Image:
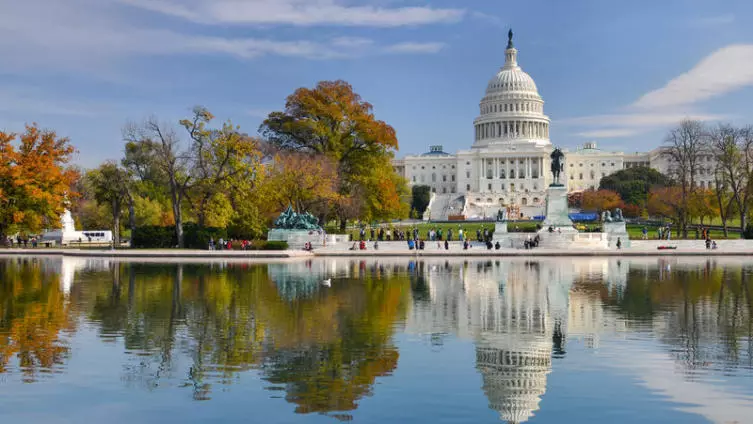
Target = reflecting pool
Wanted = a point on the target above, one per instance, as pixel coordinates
(648, 340)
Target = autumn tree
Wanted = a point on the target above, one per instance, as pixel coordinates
(111, 185)
(218, 157)
(732, 149)
(159, 148)
(667, 202)
(703, 205)
(308, 183)
(332, 120)
(684, 148)
(600, 200)
(36, 182)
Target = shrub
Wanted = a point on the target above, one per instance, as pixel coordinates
(748, 233)
(272, 245)
(158, 237)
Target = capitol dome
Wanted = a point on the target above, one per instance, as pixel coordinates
(512, 78)
(511, 109)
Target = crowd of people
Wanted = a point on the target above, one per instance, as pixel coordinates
(222, 244)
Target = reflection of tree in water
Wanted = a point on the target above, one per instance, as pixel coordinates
(332, 371)
(702, 312)
(33, 313)
(326, 346)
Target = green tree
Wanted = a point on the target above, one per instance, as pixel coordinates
(218, 158)
(634, 184)
(158, 149)
(421, 198)
(111, 186)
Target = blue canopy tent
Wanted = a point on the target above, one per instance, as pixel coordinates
(584, 216)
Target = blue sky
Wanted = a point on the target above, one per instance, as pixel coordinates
(619, 73)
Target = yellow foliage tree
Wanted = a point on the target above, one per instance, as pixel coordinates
(36, 182)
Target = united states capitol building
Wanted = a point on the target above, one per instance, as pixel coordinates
(508, 164)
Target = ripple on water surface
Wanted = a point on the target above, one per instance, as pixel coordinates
(400, 340)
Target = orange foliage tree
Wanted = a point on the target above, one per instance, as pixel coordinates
(601, 200)
(332, 120)
(308, 183)
(666, 202)
(35, 180)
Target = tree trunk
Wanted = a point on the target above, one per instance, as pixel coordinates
(131, 215)
(115, 223)
(743, 217)
(343, 223)
(177, 215)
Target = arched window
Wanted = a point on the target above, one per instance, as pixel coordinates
(581, 175)
(524, 202)
(433, 177)
(505, 107)
(512, 173)
(535, 200)
(444, 178)
(593, 175)
(502, 174)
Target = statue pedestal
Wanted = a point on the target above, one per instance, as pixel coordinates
(557, 215)
(297, 239)
(500, 228)
(614, 231)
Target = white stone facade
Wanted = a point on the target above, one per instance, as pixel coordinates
(508, 163)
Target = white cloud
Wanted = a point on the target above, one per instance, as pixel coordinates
(609, 133)
(297, 12)
(414, 48)
(86, 35)
(630, 124)
(637, 120)
(726, 70)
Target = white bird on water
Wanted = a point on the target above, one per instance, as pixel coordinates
(327, 282)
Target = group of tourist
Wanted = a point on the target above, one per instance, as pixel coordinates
(222, 244)
(433, 234)
(21, 241)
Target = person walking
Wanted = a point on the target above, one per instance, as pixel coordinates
(446, 245)
(449, 234)
(645, 233)
(619, 243)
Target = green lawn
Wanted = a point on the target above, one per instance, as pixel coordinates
(635, 232)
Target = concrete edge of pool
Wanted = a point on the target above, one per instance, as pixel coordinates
(293, 254)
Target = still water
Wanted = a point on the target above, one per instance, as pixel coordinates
(542, 341)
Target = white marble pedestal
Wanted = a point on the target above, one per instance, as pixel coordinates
(614, 231)
(557, 215)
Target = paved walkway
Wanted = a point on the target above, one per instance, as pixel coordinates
(400, 249)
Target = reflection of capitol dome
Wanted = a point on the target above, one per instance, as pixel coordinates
(514, 345)
(514, 381)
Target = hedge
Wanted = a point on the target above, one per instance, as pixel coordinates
(159, 237)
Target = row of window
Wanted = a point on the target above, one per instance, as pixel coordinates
(434, 167)
(603, 164)
(593, 175)
(501, 200)
(434, 178)
(512, 107)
